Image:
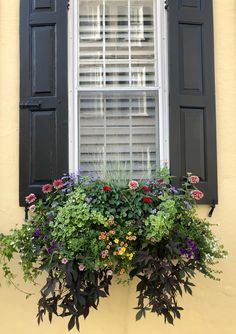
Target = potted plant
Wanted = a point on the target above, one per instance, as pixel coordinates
(88, 231)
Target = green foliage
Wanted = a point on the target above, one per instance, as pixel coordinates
(88, 230)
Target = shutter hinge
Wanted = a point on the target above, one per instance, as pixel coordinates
(213, 206)
(166, 4)
(68, 4)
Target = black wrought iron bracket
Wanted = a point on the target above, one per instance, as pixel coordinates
(213, 206)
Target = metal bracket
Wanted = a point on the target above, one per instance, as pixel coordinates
(26, 212)
(213, 206)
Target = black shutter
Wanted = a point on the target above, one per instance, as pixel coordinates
(192, 96)
(43, 93)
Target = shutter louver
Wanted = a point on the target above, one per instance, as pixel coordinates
(43, 94)
(192, 100)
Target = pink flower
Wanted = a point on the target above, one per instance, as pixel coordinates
(133, 185)
(57, 184)
(32, 208)
(81, 267)
(64, 260)
(47, 188)
(193, 179)
(197, 194)
(145, 188)
(30, 198)
(106, 188)
(147, 199)
(104, 253)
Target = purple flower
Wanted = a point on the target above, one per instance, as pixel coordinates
(188, 204)
(89, 199)
(52, 247)
(191, 249)
(50, 250)
(153, 211)
(37, 231)
(174, 190)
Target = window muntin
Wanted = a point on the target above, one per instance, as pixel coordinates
(118, 76)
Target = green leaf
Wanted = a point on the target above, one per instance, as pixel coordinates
(139, 315)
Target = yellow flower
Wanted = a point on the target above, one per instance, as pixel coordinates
(131, 255)
(116, 241)
(129, 233)
(121, 250)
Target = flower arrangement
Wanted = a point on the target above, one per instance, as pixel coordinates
(86, 231)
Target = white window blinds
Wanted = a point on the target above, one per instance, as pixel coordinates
(117, 85)
(116, 43)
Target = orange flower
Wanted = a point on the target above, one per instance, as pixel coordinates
(122, 271)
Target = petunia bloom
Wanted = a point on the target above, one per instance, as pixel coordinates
(30, 198)
(133, 184)
(64, 260)
(32, 208)
(81, 267)
(197, 194)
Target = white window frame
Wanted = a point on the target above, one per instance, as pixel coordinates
(162, 87)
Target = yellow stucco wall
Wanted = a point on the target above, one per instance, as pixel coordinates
(213, 307)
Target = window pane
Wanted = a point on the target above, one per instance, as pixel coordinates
(119, 129)
(116, 43)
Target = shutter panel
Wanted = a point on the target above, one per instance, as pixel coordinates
(43, 93)
(192, 100)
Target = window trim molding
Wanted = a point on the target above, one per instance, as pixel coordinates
(161, 26)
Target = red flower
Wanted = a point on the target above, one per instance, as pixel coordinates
(145, 188)
(133, 184)
(193, 179)
(160, 180)
(106, 188)
(147, 199)
(30, 198)
(57, 184)
(47, 188)
(197, 194)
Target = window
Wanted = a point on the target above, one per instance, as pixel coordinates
(118, 76)
(118, 94)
